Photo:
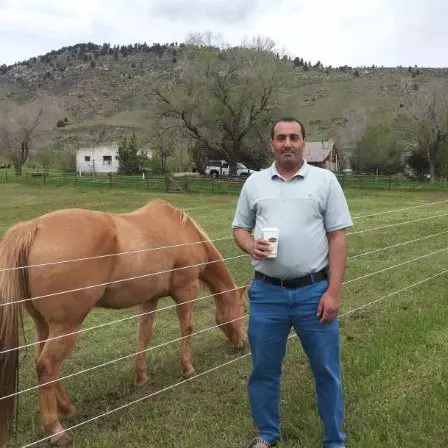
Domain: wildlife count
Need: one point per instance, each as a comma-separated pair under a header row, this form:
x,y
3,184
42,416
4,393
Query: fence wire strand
x,y
149,249
232,361
135,316
114,361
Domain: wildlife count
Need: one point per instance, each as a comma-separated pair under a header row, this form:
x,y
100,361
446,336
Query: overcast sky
x,y
353,32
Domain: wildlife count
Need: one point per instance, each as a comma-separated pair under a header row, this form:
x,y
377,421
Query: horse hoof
x,y
61,440
188,374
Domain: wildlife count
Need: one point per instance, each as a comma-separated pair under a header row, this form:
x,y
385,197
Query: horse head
x,y
230,311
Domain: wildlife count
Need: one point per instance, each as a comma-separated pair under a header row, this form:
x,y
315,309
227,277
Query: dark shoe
x,y
259,443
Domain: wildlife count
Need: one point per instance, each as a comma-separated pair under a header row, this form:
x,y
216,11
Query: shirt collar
x,y
302,172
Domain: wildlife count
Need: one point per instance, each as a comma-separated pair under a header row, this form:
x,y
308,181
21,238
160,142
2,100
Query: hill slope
x,y
103,91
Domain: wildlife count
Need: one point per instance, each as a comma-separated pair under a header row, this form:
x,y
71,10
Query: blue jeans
x,y
273,311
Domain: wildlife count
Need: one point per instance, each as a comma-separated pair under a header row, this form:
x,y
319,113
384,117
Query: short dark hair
x,y
287,120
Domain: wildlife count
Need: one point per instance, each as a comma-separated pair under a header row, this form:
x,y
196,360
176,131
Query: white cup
x,y
271,234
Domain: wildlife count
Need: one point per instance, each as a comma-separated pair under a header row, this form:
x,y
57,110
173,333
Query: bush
x,y
67,160
155,166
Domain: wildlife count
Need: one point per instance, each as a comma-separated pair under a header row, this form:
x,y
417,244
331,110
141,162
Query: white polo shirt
x,y
304,209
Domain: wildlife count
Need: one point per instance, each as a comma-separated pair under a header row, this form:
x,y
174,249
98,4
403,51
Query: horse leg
x,y
147,309
48,367
185,315
64,404
185,288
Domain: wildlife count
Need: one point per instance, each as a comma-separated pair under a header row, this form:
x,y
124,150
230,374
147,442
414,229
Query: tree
x,y
163,142
297,62
356,128
418,163
128,159
67,160
100,136
428,110
224,99
16,137
262,43
380,151
45,158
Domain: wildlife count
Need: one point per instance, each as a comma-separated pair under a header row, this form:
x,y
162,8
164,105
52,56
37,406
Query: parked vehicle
x,y
221,168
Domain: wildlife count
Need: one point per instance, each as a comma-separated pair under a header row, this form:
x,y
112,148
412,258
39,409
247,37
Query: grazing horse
x,y
106,269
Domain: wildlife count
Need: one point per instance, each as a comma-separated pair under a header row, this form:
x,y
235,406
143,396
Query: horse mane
x,y
184,219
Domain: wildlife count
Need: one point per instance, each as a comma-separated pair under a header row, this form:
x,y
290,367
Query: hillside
x,y
103,91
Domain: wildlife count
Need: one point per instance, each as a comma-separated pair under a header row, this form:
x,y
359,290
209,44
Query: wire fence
x,y
220,366
37,179
168,271
163,344
230,186
228,238
169,307
200,184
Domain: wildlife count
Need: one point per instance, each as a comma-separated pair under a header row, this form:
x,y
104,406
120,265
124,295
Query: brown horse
x,y
92,236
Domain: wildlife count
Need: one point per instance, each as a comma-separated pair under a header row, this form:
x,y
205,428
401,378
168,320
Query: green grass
x,y
394,352
202,185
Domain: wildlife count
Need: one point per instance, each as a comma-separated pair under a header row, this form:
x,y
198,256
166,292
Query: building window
x,y
107,160
86,158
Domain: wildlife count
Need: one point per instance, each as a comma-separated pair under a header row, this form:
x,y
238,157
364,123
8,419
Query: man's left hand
x,y
328,308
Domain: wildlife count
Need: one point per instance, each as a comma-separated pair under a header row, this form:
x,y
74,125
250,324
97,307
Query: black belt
x,y
291,283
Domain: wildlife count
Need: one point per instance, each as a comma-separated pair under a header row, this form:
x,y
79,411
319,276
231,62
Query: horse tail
x,y
14,249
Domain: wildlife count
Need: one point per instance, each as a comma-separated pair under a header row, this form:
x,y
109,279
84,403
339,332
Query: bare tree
x,y
260,43
356,128
207,39
16,137
222,100
428,109
100,136
163,140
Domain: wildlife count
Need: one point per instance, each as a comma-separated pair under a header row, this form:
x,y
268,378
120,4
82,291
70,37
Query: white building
x,y
103,159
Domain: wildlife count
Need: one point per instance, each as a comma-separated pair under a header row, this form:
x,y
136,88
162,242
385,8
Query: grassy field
x,y
200,184
394,350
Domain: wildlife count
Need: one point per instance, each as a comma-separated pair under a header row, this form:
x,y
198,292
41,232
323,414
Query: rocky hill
x,y
100,92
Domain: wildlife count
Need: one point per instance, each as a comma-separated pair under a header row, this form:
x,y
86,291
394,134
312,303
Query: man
x,y
300,288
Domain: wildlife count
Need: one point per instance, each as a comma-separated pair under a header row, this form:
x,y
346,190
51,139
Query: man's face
x,y
287,144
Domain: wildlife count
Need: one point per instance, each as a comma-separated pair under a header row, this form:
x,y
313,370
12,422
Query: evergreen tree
x,y
128,160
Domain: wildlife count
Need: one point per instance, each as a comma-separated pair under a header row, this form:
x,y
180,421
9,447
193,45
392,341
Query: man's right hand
x,y
260,249
257,249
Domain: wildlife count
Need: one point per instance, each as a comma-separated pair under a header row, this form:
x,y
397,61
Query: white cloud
x,y
48,16
381,32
